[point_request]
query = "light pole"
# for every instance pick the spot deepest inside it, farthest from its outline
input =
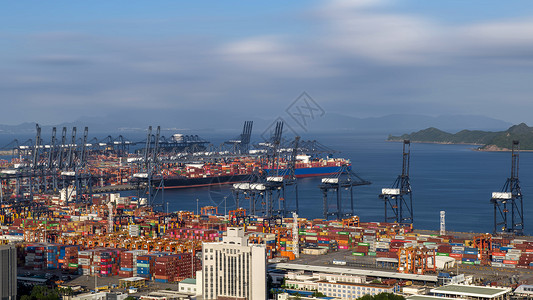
(225, 206)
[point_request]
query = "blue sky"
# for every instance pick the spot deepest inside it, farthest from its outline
(65, 60)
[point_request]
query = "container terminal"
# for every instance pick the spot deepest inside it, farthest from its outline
(61, 209)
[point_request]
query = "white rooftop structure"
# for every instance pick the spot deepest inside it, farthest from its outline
(478, 292)
(352, 271)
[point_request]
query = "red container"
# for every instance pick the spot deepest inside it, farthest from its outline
(471, 256)
(125, 273)
(456, 255)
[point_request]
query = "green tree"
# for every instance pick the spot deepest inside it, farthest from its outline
(283, 282)
(65, 291)
(42, 292)
(318, 294)
(269, 286)
(382, 296)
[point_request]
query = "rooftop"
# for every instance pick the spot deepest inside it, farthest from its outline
(377, 285)
(352, 271)
(133, 279)
(472, 291)
(426, 297)
(189, 281)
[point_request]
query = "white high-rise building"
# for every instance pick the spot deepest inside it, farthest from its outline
(232, 269)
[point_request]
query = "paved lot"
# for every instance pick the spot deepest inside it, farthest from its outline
(481, 273)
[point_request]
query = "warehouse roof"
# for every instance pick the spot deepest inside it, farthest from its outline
(352, 271)
(132, 279)
(471, 291)
(426, 297)
(189, 281)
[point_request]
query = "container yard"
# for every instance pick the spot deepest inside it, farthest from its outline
(164, 247)
(85, 243)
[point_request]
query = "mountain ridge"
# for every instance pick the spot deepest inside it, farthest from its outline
(487, 140)
(329, 122)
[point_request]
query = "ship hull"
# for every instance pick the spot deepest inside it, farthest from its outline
(317, 171)
(184, 182)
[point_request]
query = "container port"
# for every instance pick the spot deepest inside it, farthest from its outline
(54, 211)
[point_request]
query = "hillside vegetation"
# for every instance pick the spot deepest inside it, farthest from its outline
(488, 140)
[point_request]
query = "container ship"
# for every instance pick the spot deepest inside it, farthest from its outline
(238, 170)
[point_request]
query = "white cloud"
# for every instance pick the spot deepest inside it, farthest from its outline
(360, 56)
(370, 32)
(280, 56)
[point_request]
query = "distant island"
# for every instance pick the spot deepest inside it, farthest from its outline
(487, 140)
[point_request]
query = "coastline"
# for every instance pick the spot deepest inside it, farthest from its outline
(490, 148)
(469, 235)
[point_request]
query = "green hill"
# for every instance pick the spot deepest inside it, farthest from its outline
(499, 140)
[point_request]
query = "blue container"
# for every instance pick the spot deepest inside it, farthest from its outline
(161, 280)
(126, 269)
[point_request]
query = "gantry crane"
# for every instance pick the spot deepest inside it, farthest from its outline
(266, 190)
(345, 178)
(416, 260)
(483, 243)
(398, 198)
(351, 222)
(241, 145)
(209, 211)
(510, 198)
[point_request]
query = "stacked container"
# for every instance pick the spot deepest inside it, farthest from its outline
(85, 261)
(33, 258)
(361, 249)
(106, 262)
(146, 264)
(128, 262)
(172, 268)
(68, 258)
(470, 256)
(134, 230)
(52, 256)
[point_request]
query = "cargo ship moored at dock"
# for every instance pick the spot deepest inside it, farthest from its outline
(201, 175)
